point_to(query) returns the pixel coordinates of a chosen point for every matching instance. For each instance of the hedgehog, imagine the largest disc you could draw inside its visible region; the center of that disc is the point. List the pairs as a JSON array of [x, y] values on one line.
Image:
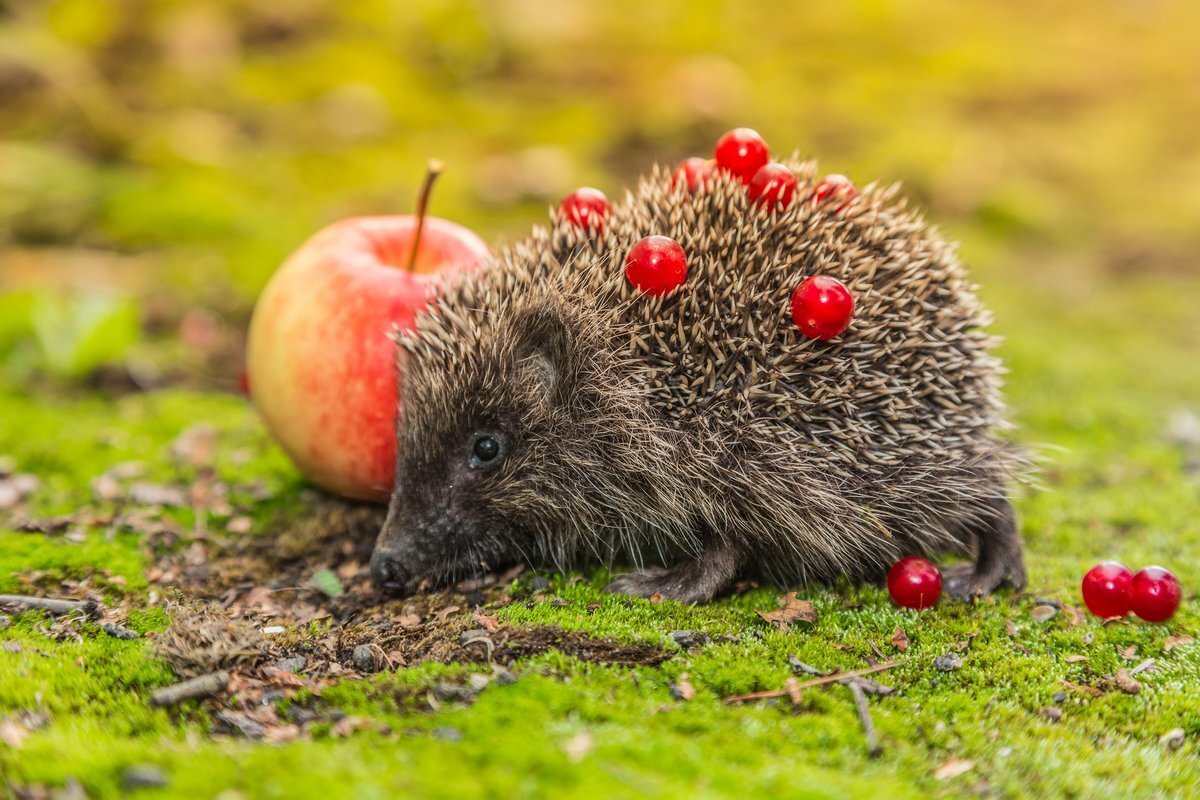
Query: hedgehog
[[553, 414]]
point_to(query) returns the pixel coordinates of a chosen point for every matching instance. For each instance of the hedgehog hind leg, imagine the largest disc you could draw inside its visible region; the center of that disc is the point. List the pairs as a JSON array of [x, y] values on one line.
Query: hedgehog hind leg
[[696, 580], [998, 556]]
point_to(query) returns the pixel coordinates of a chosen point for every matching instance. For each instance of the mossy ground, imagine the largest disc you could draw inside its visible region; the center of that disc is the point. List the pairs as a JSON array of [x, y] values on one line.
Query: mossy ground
[[1048, 141]]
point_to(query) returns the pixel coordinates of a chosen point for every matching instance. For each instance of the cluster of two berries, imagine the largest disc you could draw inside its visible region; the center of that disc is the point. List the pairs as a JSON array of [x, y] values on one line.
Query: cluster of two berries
[[822, 306]]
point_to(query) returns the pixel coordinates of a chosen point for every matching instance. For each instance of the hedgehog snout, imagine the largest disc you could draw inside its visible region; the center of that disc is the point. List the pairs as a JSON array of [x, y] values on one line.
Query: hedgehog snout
[[388, 571]]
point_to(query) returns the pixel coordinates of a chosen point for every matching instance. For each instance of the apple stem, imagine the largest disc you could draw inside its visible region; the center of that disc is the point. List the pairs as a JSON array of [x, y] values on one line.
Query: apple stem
[[431, 173]]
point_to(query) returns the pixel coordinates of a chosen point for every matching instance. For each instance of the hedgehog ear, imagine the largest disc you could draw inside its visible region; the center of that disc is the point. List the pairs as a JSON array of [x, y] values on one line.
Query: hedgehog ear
[[543, 349]]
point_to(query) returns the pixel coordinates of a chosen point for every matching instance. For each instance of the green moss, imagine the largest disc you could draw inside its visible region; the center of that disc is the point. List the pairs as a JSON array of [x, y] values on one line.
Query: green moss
[[1069, 181]]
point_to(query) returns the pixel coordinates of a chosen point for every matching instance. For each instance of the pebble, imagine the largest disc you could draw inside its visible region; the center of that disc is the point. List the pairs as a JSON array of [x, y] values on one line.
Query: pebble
[[503, 677], [689, 639], [363, 658], [292, 664], [1059, 697], [143, 776], [947, 662], [478, 682], [1172, 739]]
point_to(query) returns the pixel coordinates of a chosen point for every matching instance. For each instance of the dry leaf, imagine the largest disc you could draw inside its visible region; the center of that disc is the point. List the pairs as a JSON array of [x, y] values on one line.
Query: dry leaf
[[1010, 628], [952, 768], [900, 639], [794, 610], [1178, 640], [489, 622], [1043, 613], [445, 613], [682, 689], [1073, 615], [793, 689], [1083, 689], [578, 746], [1075, 659], [1129, 653], [13, 733], [1127, 683]]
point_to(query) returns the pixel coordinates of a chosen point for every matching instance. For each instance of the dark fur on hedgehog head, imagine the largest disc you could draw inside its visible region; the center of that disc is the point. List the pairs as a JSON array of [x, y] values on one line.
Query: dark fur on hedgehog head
[[553, 414]]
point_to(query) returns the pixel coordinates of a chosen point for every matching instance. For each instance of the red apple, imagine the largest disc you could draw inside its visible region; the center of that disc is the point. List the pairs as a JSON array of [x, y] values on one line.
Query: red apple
[[320, 362]]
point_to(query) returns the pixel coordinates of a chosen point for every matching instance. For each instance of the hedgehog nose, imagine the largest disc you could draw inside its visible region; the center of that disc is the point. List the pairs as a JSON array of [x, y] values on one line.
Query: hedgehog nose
[[386, 571]]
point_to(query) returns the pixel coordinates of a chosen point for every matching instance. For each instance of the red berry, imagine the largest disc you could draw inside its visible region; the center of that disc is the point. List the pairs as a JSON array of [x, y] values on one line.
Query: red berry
[[1156, 594], [1106, 589], [585, 208], [914, 583], [696, 171], [742, 152], [773, 187], [834, 187], [822, 307], [656, 265]]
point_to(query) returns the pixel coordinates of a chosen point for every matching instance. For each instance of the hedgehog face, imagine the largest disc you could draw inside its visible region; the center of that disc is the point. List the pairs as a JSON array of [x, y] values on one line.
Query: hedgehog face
[[474, 473]]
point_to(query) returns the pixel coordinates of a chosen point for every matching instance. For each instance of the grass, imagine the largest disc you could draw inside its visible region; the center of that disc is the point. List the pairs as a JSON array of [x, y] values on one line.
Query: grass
[[1117, 489], [171, 154]]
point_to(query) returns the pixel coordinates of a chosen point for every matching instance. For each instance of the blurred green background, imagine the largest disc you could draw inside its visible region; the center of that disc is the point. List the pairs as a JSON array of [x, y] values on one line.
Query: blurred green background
[[159, 159]]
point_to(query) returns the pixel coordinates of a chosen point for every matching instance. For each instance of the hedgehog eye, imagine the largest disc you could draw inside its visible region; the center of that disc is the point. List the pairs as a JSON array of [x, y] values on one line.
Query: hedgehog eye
[[486, 450]]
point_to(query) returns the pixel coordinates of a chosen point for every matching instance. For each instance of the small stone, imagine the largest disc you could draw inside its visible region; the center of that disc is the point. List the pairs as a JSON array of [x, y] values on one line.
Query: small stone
[[1059, 697], [294, 664], [447, 734], [503, 677], [446, 692], [119, 631], [1172, 739], [1052, 713], [143, 776], [363, 658], [689, 639], [478, 682], [1047, 601], [948, 662], [1043, 612]]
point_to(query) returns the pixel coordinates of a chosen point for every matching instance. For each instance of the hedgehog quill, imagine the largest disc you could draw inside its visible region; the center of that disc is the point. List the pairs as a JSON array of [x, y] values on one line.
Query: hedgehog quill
[[554, 413]]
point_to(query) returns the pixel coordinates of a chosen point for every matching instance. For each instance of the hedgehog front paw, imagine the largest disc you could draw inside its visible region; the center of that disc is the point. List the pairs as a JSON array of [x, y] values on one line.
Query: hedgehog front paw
[[666, 584]]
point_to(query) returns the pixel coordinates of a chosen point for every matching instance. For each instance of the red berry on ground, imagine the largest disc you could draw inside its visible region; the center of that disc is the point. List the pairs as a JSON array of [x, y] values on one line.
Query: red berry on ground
[[696, 171], [914, 582], [657, 265], [742, 152], [1106, 589], [834, 187], [585, 208], [822, 307], [773, 187], [1156, 594]]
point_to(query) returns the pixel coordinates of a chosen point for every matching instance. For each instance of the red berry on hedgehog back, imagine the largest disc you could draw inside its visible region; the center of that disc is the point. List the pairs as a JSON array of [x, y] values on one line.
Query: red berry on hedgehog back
[[822, 307], [742, 152], [773, 187], [696, 171], [1106, 589], [657, 265], [1155, 594], [832, 188], [585, 208]]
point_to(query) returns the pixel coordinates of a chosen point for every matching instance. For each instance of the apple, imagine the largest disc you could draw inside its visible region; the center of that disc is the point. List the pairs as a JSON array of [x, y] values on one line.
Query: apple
[[320, 363]]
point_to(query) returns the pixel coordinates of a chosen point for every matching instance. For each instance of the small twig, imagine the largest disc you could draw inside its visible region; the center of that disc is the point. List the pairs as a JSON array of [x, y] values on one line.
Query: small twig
[[203, 686], [53, 605], [864, 716], [834, 678]]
